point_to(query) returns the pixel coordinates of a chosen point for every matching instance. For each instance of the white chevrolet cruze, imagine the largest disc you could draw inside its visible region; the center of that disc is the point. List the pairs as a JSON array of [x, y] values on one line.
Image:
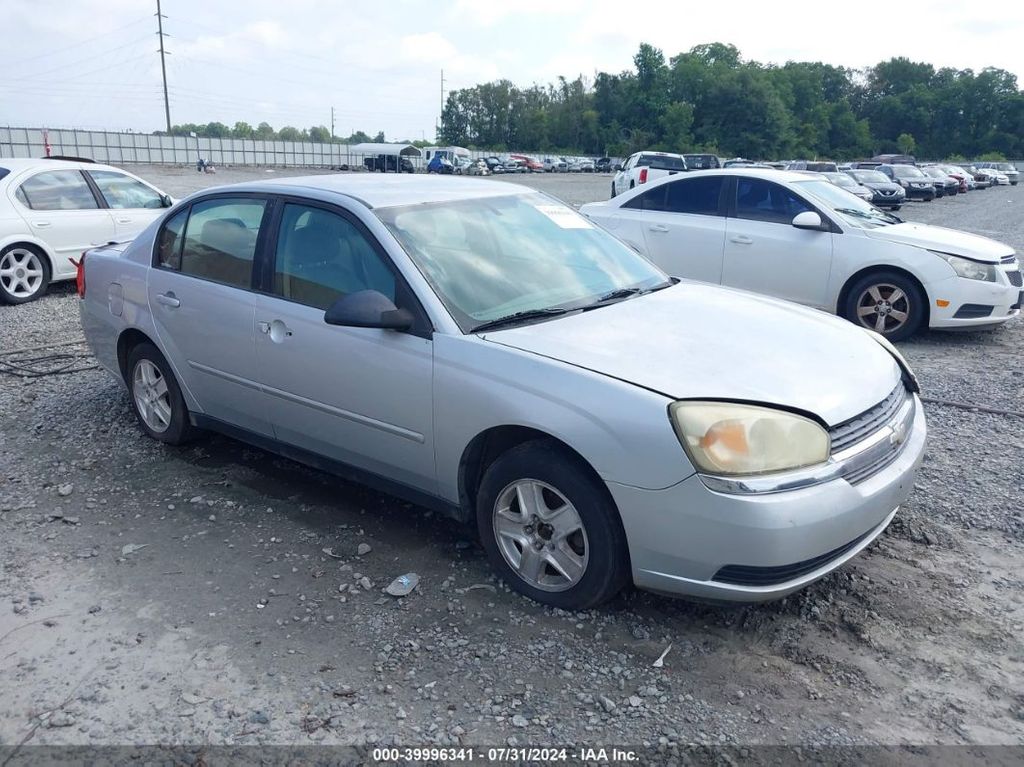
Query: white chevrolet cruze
[[806, 240], [51, 210]]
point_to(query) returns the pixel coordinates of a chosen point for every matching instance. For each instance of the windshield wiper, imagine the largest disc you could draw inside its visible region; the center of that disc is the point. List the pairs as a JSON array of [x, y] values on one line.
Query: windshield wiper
[[620, 294], [524, 316]]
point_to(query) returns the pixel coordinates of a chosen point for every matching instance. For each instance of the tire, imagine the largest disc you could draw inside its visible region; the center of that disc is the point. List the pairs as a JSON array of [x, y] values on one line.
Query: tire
[[145, 371], [613, 191], [875, 291], [586, 538], [895, 207], [632, 184], [24, 274]]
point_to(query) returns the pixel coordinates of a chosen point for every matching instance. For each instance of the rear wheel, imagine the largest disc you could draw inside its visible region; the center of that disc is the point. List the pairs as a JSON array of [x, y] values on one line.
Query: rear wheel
[[550, 528], [24, 274], [888, 303], [156, 397]]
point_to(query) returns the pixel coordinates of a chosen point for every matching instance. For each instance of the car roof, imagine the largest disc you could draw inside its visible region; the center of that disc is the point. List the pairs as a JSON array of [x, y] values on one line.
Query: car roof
[[28, 163], [380, 191], [772, 174]]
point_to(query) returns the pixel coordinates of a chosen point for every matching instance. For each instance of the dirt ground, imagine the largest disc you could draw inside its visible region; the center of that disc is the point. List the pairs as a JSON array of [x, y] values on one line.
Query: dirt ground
[[215, 594]]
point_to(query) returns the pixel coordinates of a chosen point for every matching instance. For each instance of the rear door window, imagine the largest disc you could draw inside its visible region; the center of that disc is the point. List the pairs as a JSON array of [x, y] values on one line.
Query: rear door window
[[220, 240], [57, 190]]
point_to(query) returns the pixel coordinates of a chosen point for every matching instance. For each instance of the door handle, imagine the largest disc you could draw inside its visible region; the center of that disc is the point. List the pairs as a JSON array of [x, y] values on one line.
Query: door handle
[[741, 239], [658, 228], [124, 220], [168, 299], [41, 224]]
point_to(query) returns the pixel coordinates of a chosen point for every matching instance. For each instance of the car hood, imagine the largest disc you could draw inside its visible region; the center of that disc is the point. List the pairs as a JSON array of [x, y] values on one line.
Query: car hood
[[945, 240], [700, 341]]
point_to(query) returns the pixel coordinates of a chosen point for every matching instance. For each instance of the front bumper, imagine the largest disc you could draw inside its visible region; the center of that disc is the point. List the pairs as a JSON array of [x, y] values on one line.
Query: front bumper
[[888, 200], [960, 293], [689, 540], [914, 193]]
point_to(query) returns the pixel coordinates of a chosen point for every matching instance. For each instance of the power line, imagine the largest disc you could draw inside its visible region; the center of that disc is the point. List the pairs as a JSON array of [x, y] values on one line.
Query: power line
[[50, 54]]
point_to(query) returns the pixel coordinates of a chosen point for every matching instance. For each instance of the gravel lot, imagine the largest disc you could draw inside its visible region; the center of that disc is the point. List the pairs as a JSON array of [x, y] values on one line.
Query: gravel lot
[[217, 594]]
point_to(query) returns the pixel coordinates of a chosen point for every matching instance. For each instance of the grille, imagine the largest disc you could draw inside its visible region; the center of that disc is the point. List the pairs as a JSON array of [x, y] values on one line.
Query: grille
[[1015, 279], [747, 575], [857, 428]]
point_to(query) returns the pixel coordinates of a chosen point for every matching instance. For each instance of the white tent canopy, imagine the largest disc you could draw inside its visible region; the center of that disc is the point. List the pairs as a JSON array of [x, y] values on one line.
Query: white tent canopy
[[404, 150]]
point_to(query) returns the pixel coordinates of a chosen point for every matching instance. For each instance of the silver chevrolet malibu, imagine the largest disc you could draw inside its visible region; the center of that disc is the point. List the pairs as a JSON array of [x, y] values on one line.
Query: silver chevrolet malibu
[[481, 349]]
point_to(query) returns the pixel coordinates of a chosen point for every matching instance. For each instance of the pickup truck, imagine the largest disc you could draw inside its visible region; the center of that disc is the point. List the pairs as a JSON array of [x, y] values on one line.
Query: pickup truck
[[642, 167]]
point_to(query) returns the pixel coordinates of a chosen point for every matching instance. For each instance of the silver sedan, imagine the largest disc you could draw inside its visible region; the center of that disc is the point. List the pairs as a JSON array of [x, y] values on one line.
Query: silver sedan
[[482, 349]]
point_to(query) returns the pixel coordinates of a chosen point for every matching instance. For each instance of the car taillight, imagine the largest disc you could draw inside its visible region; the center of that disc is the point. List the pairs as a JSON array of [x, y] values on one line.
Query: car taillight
[[80, 273], [643, 175]]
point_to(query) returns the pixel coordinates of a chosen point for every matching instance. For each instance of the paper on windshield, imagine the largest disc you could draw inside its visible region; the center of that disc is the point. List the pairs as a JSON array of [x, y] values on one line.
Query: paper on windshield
[[564, 217]]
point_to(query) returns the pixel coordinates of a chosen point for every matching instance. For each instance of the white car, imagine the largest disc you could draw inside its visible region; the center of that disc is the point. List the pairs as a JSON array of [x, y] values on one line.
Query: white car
[[806, 240], [644, 167], [52, 210]]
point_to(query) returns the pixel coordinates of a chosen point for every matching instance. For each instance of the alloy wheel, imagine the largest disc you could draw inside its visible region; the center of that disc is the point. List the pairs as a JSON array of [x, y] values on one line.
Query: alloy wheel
[[883, 308], [21, 272], [149, 389], [541, 535]]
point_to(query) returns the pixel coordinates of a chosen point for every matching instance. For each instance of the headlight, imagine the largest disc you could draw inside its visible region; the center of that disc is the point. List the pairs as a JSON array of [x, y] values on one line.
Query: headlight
[[727, 438], [970, 270]]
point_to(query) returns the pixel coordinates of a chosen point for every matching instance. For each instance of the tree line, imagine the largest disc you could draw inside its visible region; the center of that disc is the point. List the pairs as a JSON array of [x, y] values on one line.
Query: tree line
[[710, 99], [320, 134]]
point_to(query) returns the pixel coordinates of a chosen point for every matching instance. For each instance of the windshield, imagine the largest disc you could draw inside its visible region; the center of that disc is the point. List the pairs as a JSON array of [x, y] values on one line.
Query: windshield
[[906, 171], [934, 172], [661, 162], [870, 177], [841, 179], [493, 257], [850, 207]]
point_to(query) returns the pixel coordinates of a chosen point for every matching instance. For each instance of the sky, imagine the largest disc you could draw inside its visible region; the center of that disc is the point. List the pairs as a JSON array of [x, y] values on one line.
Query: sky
[[93, 63]]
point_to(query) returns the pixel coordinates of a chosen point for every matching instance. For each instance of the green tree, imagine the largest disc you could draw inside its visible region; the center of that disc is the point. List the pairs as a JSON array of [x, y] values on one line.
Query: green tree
[[906, 144], [264, 131], [289, 133], [242, 130]]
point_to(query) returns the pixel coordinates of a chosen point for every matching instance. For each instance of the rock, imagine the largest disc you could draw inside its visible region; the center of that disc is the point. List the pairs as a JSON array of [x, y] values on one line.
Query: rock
[[60, 719], [635, 701], [131, 548], [364, 549], [34, 596], [366, 583], [401, 714], [259, 717], [520, 721], [403, 585], [94, 609], [65, 490], [607, 703]]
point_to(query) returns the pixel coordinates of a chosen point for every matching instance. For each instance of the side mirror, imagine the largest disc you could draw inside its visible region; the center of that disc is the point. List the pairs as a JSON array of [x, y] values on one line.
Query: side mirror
[[368, 309], [166, 201], [808, 220], [618, 167]]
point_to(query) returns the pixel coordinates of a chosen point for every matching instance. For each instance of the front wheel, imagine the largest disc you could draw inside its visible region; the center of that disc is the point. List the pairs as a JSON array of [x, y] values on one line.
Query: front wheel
[[613, 191], [550, 528], [24, 274], [888, 303], [156, 397]]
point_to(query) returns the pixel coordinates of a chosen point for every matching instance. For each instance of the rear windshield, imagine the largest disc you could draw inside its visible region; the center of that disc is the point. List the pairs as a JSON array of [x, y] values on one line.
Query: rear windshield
[[661, 162], [822, 167], [701, 161], [3, 172], [870, 177]]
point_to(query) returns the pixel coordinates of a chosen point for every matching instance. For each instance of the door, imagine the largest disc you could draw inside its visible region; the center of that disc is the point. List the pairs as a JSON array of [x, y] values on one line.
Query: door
[[362, 396], [765, 253], [683, 226], [62, 211], [133, 204], [201, 299]]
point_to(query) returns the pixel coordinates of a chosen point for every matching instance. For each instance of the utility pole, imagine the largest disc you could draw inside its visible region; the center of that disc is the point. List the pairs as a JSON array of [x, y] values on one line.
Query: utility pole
[[440, 118], [163, 64]]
